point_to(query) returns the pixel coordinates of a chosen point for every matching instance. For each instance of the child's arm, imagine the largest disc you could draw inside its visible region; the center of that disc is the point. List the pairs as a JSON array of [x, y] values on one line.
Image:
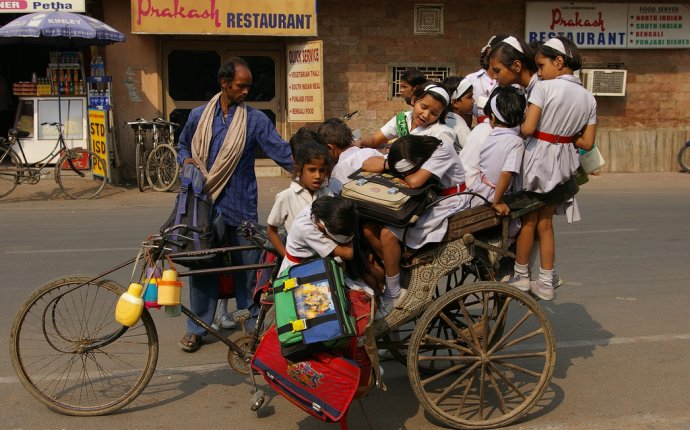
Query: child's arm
[[374, 165], [585, 140], [418, 178], [503, 184], [274, 237], [373, 141], [529, 126], [346, 252]]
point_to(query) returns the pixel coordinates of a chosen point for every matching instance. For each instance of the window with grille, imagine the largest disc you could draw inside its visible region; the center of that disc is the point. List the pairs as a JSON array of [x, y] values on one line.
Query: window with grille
[[428, 19], [433, 73]]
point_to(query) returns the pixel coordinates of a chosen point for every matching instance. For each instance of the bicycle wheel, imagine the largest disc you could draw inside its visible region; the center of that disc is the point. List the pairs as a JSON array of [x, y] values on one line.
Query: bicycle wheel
[[683, 158], [54, 348], [496, 353], [162, 168], [9, 172], [140, 161], [73, 174]]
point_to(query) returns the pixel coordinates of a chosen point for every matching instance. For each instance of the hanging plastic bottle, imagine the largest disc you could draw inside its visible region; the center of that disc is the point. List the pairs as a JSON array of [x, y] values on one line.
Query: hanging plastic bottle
[[130, 305], [169, 292]]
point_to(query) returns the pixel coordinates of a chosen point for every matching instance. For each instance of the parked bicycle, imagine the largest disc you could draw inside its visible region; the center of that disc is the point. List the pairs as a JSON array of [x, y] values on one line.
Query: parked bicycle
[[684, 157], [158, 166], [74, 170]]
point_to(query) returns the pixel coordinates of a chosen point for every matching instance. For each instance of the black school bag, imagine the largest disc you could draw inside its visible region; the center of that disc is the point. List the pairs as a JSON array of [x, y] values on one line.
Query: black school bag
[[194, 208]]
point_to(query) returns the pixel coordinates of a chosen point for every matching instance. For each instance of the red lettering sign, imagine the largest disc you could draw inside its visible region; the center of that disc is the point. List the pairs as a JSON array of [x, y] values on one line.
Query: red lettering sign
[[13, 5], [576, 21], [146, 8]]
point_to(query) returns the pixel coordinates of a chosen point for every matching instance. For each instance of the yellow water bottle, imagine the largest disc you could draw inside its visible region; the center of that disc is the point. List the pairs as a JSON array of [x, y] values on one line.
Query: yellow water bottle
[[130, 306]]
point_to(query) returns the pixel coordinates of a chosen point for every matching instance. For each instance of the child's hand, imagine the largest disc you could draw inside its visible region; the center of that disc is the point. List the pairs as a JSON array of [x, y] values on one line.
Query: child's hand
[[501, 209]]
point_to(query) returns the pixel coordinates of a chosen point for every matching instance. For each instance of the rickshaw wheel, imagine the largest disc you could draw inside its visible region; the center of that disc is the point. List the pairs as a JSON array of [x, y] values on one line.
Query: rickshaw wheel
[[497, 355], [237, 362]]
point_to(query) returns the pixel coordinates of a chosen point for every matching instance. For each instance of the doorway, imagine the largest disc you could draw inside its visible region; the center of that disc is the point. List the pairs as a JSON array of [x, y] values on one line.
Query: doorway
[[190, 77]]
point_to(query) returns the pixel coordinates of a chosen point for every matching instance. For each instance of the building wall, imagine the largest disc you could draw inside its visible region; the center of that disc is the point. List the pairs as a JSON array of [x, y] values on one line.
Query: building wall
[[360, 41], [639, 132]]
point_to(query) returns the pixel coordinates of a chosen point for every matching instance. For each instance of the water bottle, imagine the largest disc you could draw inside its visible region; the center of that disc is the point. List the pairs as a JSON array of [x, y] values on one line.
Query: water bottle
[[151, 294], [169, 292], [130, 305]]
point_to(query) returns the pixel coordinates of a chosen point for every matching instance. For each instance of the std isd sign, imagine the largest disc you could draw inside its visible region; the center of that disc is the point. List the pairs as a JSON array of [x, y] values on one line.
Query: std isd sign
[[237, 17]]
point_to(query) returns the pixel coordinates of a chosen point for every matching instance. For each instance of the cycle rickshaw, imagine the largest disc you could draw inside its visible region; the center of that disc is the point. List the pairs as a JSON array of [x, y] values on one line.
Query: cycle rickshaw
[[479, 353]]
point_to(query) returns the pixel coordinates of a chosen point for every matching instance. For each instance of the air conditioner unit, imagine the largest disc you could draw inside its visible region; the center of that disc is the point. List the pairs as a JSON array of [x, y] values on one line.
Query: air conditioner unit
[[604, 82]]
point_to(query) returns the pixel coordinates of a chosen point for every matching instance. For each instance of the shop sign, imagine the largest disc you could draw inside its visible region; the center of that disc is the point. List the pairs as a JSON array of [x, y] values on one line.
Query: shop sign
[[99, 143], [239, 17], [305, 82], [27, 6], [610, 25]]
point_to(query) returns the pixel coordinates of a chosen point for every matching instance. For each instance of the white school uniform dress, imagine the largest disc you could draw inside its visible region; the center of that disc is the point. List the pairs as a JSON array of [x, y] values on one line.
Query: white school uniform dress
[[567, 107], [459, 126], [290, 202], [438, 130], [469, 156], [305, 240], [433, 223], [348, 163], [502, 151], [482, 85]]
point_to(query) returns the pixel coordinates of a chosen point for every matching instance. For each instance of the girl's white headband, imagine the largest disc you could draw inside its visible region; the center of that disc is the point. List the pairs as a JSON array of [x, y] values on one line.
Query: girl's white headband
[[494, 110], [438, 90], [463, 86], [556, 44], [512, 41], [488, 44]]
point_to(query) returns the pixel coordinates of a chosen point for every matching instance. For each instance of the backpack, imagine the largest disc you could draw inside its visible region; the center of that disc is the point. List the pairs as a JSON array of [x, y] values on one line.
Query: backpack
[[195, 209], [387, 198], [312, 308]]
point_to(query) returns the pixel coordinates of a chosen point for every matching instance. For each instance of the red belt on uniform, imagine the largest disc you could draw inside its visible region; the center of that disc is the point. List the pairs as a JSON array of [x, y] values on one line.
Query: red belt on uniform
[[553, 138], [481, 119], [292, 258], [455, 189]]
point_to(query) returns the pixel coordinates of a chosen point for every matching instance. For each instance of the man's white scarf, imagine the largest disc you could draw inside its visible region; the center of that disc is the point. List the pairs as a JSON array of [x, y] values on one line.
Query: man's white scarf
[[230, 152]]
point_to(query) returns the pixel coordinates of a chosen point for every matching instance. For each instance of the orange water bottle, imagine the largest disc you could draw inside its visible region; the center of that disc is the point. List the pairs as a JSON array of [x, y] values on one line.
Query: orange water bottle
[[169, 291]]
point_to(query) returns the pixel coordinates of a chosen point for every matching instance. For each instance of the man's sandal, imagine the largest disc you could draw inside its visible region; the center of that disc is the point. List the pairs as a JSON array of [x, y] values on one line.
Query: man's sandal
[[190, 342]]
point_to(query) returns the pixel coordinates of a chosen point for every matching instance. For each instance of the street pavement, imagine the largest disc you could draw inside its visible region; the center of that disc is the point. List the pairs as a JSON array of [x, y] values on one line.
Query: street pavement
[[622, 319]]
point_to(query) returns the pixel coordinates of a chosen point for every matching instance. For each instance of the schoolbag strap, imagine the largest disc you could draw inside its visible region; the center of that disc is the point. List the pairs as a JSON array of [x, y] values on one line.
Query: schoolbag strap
[[291, 283], [401, 124], [306, 323]]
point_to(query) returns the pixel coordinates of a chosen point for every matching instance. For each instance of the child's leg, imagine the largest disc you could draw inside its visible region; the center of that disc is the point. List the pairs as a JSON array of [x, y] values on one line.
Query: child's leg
[[390, 248], [525, 239], [547, 242], [372, 232]]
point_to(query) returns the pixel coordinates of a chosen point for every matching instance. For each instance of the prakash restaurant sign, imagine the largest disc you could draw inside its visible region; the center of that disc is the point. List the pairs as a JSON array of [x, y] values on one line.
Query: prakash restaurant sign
[[610, 25], [238, 17]]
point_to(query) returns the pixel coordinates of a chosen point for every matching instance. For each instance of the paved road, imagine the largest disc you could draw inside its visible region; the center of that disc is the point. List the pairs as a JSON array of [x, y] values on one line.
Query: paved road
[[622, 320]]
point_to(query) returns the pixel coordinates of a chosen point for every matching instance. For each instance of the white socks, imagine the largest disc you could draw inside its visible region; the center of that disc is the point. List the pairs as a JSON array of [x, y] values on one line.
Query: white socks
[[392, 287], [521, 270], [546, 277]]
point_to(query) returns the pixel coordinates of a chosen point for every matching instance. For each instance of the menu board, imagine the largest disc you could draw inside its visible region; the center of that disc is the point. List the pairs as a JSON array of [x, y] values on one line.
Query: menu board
[[610, 25]]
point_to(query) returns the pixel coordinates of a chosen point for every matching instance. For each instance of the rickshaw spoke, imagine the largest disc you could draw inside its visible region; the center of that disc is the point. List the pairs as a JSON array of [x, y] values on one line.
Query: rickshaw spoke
[[522, 338], [450, 345], [449, 358], [507, 381], [518, 355], [518, 368], [502, 406], [447, 372], [481, 392], [455, 383], [470, 322], [464, 396], [499, 319], [484, 319], [510, 332]]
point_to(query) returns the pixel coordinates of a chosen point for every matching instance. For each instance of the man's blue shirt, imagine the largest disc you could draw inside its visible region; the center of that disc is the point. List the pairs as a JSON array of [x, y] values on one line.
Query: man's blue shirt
[[238, 200]]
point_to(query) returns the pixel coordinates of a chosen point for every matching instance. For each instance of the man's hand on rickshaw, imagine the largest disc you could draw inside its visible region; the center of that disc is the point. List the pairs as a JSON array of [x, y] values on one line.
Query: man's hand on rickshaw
[[190, 160], [501, 208]]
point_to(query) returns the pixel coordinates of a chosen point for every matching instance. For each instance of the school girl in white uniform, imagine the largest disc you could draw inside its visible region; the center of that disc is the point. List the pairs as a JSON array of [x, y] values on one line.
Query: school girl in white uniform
[[429, 106], [501, 154], [308, 184], [461, 104], [561, 117]]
